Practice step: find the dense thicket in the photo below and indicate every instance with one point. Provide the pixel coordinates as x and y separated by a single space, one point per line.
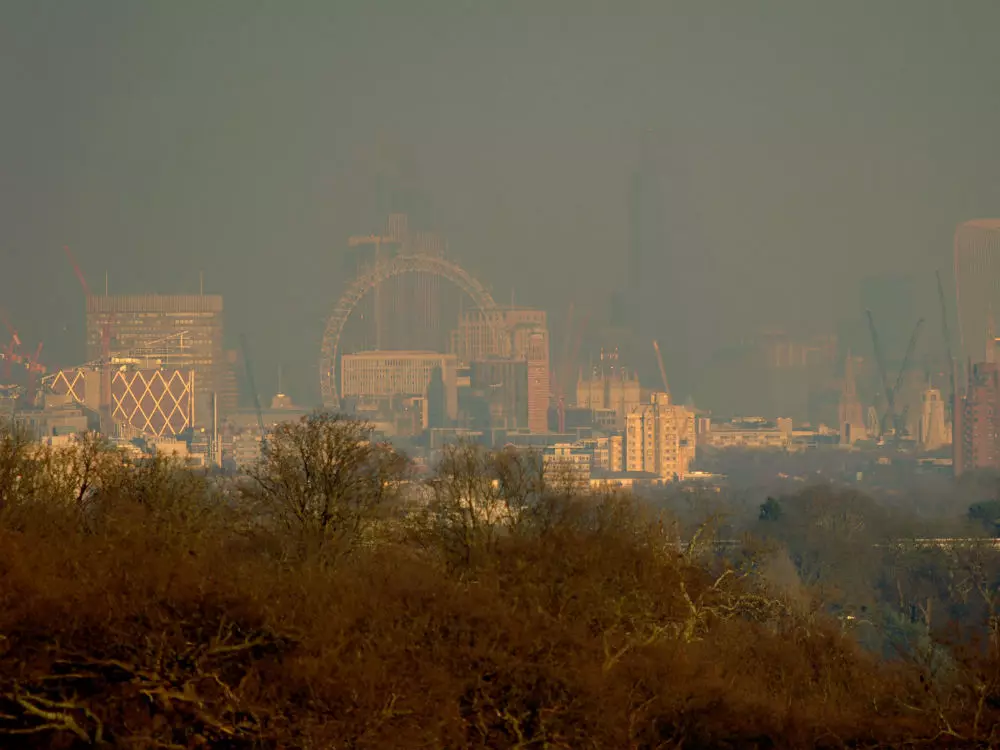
332 601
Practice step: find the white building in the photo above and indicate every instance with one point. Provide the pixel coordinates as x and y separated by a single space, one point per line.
935 432
568 465
660 438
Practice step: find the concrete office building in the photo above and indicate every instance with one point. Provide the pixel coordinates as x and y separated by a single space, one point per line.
504 385
977 283
568 466
980 421
660 439
177 332
609 387
382 375
513 333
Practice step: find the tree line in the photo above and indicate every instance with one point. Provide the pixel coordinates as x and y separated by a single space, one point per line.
333 598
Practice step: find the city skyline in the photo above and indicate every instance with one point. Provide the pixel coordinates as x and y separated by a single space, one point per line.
242 152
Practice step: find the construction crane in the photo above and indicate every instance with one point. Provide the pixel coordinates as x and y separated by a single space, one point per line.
253 390
891 416
104 409
956 409
9 352
663 370
35 369
899 421
946 334
880 361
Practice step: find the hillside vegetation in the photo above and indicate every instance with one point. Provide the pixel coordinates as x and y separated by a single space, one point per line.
325 602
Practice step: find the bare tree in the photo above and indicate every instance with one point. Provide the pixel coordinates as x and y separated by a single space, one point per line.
326 481
15 448
479 495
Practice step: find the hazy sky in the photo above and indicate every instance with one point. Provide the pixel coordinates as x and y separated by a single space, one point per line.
803 145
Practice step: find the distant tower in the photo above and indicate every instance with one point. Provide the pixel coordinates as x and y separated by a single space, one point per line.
980 423
977 281
934 431
851 415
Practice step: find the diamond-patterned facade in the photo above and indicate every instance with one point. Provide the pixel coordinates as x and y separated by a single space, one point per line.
73 382
156 402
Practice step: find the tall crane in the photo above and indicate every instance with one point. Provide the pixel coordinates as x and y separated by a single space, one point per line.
663 370
946 334
956 410
104 409
35 369
253 390
891 417
880 361
9 352
899 420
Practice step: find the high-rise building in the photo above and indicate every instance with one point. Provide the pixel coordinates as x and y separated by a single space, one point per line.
660 438
851 415
516 333
182 332
980 423
609 386
504 386
381 375
977 283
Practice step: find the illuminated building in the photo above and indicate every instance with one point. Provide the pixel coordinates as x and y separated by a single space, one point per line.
609 387
173 332
934 430
660 438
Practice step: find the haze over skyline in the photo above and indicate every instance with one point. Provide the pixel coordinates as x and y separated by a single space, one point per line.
801 147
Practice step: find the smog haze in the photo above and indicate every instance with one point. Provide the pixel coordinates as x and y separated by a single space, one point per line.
798 147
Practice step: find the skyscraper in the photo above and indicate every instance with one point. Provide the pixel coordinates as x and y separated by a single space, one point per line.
660 438
852 418
187 331
977 283
980 421
517 333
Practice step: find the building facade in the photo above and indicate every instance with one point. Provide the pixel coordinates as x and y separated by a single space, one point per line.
152 402
568 466
850 414
381 375
751 434
609 387
934 431
513 333
981 418
977 283
660 439
180 332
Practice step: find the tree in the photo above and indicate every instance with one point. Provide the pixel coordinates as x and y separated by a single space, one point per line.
325 480
770 510
987 515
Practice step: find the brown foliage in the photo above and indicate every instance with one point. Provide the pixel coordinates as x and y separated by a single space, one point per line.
147 619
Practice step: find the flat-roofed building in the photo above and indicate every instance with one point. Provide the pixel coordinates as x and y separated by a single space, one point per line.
179 332
515 333
381 375
660 438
